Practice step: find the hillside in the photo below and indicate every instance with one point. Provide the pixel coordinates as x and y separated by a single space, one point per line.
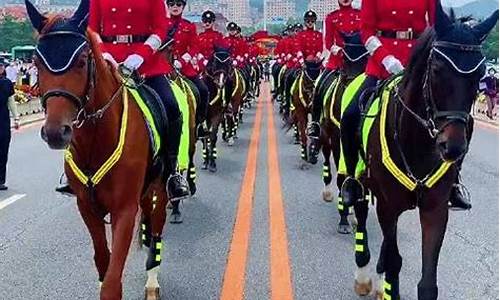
478 9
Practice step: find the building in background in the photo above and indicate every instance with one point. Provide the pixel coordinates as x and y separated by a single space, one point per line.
323 8
279 11
233 10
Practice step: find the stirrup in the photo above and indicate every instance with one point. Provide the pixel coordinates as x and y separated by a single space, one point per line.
357 189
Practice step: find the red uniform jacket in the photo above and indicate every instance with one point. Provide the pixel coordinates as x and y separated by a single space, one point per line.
291 50
310 43
209 39
389 15
344 20
279 51
186 44
131 17
237 49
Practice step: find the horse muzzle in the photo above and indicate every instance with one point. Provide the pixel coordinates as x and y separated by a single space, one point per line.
452 150
57 137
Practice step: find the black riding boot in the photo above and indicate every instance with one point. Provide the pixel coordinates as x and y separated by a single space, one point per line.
64 187
459 199
177 187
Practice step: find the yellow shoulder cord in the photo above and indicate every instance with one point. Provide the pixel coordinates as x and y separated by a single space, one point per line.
409 183
111 161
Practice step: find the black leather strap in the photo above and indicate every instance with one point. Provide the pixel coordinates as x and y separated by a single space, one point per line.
129 38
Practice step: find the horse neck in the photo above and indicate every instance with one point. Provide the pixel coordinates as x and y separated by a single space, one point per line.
414 139
96 139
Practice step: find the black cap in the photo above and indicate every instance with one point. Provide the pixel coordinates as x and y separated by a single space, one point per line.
298 26
310 15
232 26
238 28
289 27
208 16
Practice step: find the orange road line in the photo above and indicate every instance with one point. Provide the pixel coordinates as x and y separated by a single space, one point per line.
233 285
281 278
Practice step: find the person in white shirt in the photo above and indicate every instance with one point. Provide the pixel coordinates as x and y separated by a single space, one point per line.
12 71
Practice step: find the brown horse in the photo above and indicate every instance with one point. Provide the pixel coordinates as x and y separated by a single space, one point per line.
233 115
333 87
217 77
108 150
301 93
416 145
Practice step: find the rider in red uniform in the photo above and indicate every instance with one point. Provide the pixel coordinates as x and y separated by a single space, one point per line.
131 32
343 21
389 30
309 41
210 38
236 48
292 62
186 55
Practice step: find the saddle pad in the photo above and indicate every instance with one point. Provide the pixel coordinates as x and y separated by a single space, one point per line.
182 101
154 114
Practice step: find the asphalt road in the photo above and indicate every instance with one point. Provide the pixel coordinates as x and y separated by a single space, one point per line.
45 250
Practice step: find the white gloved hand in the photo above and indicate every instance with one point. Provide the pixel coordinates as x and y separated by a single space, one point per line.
177 64
301 61
335 49
392 64
279 60
205 62
186 57
288 56
194 61
235 63
109 58
133 62
300 54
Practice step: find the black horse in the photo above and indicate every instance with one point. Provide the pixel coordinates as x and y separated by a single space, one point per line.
423 130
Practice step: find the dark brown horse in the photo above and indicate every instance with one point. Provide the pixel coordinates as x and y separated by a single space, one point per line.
301 94
218 78
90 113
420 135
355 59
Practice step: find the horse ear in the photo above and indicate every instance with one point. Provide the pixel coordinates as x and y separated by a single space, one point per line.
81 16
36 18
443 22
482 29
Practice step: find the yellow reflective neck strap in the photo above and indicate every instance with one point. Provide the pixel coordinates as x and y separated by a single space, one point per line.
237 85
111 161
386 155
334 120
301 90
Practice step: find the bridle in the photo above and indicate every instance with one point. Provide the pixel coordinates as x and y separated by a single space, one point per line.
80 102
435 116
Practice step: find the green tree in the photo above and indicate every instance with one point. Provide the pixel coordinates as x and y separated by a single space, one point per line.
15 33
491 45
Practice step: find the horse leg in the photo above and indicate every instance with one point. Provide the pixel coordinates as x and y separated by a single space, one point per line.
433 223
362 282
123 231
327 174
158 216
390 261
231 129
97 232
205 154
212 165
191 174
301 123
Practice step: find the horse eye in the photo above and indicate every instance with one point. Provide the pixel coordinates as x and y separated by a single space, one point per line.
81 63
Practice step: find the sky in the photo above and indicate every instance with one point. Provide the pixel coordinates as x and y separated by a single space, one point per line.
455 2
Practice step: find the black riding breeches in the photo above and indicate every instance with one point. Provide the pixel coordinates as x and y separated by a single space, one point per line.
202 105
161 85
350 123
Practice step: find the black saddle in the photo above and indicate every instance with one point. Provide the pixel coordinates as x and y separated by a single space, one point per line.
156 107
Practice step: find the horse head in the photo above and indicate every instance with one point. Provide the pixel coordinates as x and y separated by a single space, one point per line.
219 67
62 56
355 54
442 79
454 67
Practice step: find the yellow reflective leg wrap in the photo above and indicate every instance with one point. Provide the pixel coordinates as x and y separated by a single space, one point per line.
154 254
387 290
340 204
359 239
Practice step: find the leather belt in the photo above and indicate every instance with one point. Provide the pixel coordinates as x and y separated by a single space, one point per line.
400 35
125 39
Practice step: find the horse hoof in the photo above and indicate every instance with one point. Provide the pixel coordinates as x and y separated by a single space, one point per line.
176 218
204 167
379 295
344 229
362 289
230 143
327 196
212 169
169 205
152 294
192 189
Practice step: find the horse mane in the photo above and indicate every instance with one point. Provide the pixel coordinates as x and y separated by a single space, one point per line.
418 59
51 21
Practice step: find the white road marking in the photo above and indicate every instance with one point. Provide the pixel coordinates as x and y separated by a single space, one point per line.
10 200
